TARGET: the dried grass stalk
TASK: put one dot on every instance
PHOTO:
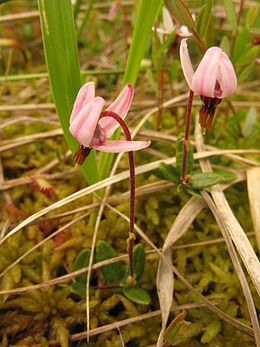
(253, 188)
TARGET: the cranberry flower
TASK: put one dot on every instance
(168, 26)
(87, 127)
(214, 79)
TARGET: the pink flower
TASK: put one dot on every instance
(214, 79)
(215, 75)
(92, 132)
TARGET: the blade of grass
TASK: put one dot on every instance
(85, 18)
(63, 67)
(146, 16)
(76, 9)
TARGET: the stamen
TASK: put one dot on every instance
(81, 154)
(207, 111)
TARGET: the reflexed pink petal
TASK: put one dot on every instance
(183, 31)
(205, 77)
(117, 146)
(226, 76)
(84, 125)
(167, 21)
(120, 106)
(85, 94)
(186, 63)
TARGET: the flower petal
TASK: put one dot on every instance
(167, 21)
(226, 76)
(186, 63)
(85, 94)
(120, 106)
(205, 77)
(183, 31)
(117, 146)
(84, 125)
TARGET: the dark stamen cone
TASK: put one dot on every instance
(207, 111)
(81, 154)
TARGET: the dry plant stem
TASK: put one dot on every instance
(235, 230)
(237, 266)
(223, 221)
(186, 138)
(132, 187)
(253, 189)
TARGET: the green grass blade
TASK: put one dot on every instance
(146, 16)
(63, 67)
(85, 18)
(77, 8)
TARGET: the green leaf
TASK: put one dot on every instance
(79, 288)
(139, 260)
(227, 176)
(158, 173)
(193, 192)
(179, 156)
(3, 1)
(62, 60)
(211, 332)
(240, 44)
(249, 56)
(204, 18)
(181, 12)
(137, 295)
(147, 12)
(252, 15)
(112, 273)
(169, 173)
(204, 180)
(81, 261)
(245, 73)
(231, 14)
(225, 45)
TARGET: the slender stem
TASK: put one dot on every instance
(85, 18)
(132, 187)
(186, 138)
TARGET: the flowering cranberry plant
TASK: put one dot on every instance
(213, 79)
(91, 128)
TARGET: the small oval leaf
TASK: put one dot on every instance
(137, 295)
(169, 173)
(205, 180)
(114, 272)
(139, 260)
